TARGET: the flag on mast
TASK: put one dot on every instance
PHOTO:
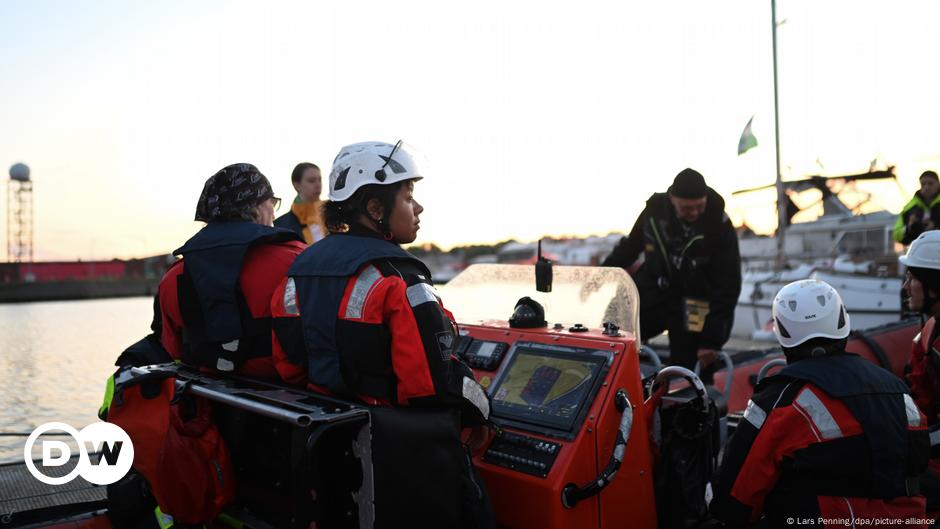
(747, 140)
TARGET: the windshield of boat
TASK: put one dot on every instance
(580, 294)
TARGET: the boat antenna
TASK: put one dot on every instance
(543, 272)
(781, 195)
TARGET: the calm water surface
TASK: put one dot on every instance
(55, 358)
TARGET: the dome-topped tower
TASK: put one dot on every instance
(19, 214)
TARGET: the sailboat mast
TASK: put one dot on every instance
(781, 196)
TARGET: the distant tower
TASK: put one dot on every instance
(19, 215)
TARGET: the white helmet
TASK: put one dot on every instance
(924, 252)
(370, 162)
(809, 309)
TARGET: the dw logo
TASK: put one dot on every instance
(117, 453)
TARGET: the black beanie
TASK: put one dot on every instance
(688, 184)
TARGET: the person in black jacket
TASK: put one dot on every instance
(690, 275)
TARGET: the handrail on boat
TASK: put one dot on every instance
(768, 366)
(729, 367)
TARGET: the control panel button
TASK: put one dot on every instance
(482, 354)
(522, 453)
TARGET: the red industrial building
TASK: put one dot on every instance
(36, 281)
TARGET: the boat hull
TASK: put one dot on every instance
(870, 301)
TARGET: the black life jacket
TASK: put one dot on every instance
(291, 222)
(417, 452)
(218, 328)
(875, 397)
(320, 274)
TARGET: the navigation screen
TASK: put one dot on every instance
(547, 385)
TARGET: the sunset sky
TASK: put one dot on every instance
(534, 117)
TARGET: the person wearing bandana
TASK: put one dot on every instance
(214, 303)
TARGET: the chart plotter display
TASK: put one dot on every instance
(547, 385)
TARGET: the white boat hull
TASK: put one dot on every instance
(871, 301)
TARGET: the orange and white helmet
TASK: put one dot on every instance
(370, 162)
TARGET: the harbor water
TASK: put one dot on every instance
(55, 358)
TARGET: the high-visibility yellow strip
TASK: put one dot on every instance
(165, 521)
(108, 396)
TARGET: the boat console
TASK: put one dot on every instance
(568, 452)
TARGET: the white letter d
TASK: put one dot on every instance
(64, 453)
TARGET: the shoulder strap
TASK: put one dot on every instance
(341, 255)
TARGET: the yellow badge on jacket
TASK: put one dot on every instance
(696, 310)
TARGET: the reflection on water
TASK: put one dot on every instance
(55, 358)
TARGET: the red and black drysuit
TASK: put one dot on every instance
(358, 317)
(924, 379)
(215, 302)
(212, 310)
(832, 437)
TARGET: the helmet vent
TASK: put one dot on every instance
(396, 167)
(781, 328)
(841, 317)
(821, 300)
(341, 179)
(792, 304)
